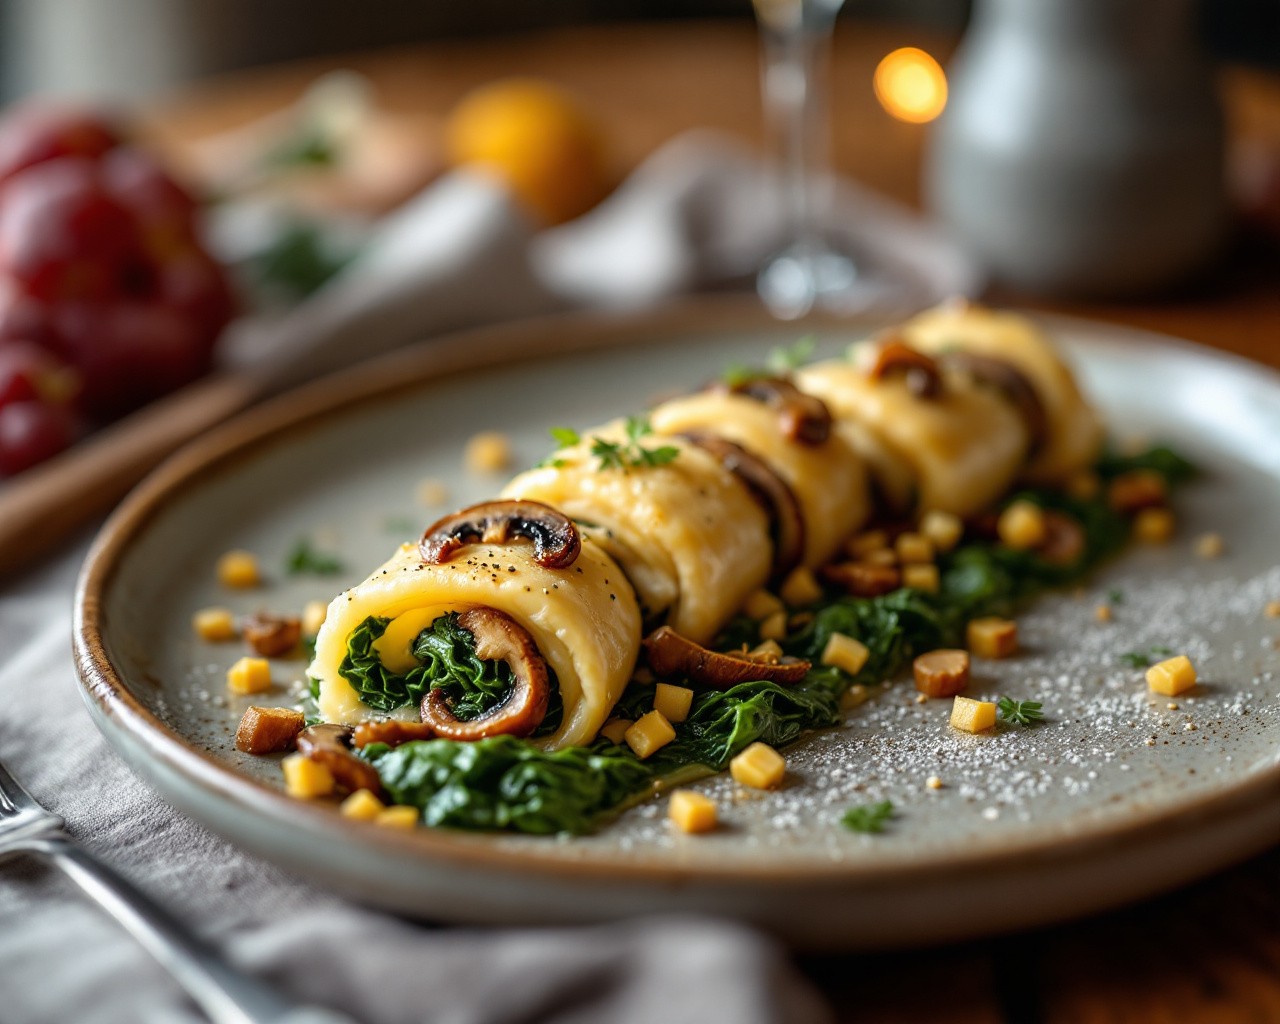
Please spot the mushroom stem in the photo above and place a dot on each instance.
(672, 655)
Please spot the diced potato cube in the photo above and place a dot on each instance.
(691, 812)
(673, 702)
(1272, 610)
(268, 730)
(759, 766)
(1210, 545)
(769, 651)
(800, 587)
(1021, 526)
(398, 816)
(914, 548)
(846, 653)
(214, 624)
(362, 805)
(1154, 525)
(614, 729)
(313, 616)
(992, 637)
(488, 452)
(865, 543)
(969, 715)
(239, 570)
(1172, 676)
(921, 577)
(774, 627)
(944, 529)
(648, 734)
(761, 605)
(305, 778)
(249, 675)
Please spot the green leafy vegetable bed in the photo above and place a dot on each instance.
(505, 783)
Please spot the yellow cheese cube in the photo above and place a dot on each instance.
(921, 577)
(239, 570)
(1021, 526)
(944, 529)
(1210, 545)
(865, 543)
(1172, 676)
(691, 812)
(313, 616)
(1272, 610)
(249, 675)
(800, 587)
(1154, 525)
(672, 701)
(649, 733)
(992, 637)
(845, 653)
(488, 452)
(774, 627)
(614, 729)
(361, 805)
(761, 605)
(969, 715)
(305, 778)
(398, 816)
(913, 548)
(214, 624)
(759, 766)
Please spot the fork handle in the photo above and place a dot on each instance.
(226, 995)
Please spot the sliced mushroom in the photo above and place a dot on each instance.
(330, 745)
(1009, 381)
(805, 418)
(556, 542)
(1064, 540)
(671, 655)
(272, 635)
(391, 732)
(786, 520)
(498, 638)
(921, 373)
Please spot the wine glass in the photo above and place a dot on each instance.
(813, 269)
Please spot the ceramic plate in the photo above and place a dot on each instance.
(1118, 795)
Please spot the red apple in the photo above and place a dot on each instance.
(30, 432)
(33, 133)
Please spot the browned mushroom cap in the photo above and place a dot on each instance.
(391, 732)
(330, 746)
(671, 655)
(1009, 381)
(921, 373)
(556, 542)
(1064, 540)
(498, 638)
(805, 418)
(786, 520)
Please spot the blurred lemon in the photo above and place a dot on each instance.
(538, 139)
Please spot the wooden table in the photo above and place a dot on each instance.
(1208, 953)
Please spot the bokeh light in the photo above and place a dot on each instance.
(911, 85)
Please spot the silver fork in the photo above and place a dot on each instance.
(225, 995)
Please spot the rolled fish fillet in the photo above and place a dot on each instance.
(691, 538)
(583, 618)
(828, 479)
(1074, 432)
(965, 445)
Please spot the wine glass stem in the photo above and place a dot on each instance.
(796, 58)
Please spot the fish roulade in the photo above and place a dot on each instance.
(502, 618)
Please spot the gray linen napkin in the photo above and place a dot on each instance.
(61, 960)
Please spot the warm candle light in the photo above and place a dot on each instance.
(911, 85)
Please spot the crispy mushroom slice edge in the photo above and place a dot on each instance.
(804, 418)
(498, 638)
(329, 745)
(556, 541)
(671, 655)
(921, 373)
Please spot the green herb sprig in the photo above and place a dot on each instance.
(869, 818)
(1142, 659)
(304, 558)
(1020, 712)
(623, 455)
(788, 358)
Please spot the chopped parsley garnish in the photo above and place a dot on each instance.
(1020, 712)
(564, 436)
(1141, 659)
(869, 818)
(1115, 596)
(306, 559)
(631, 454)
(789, 358)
